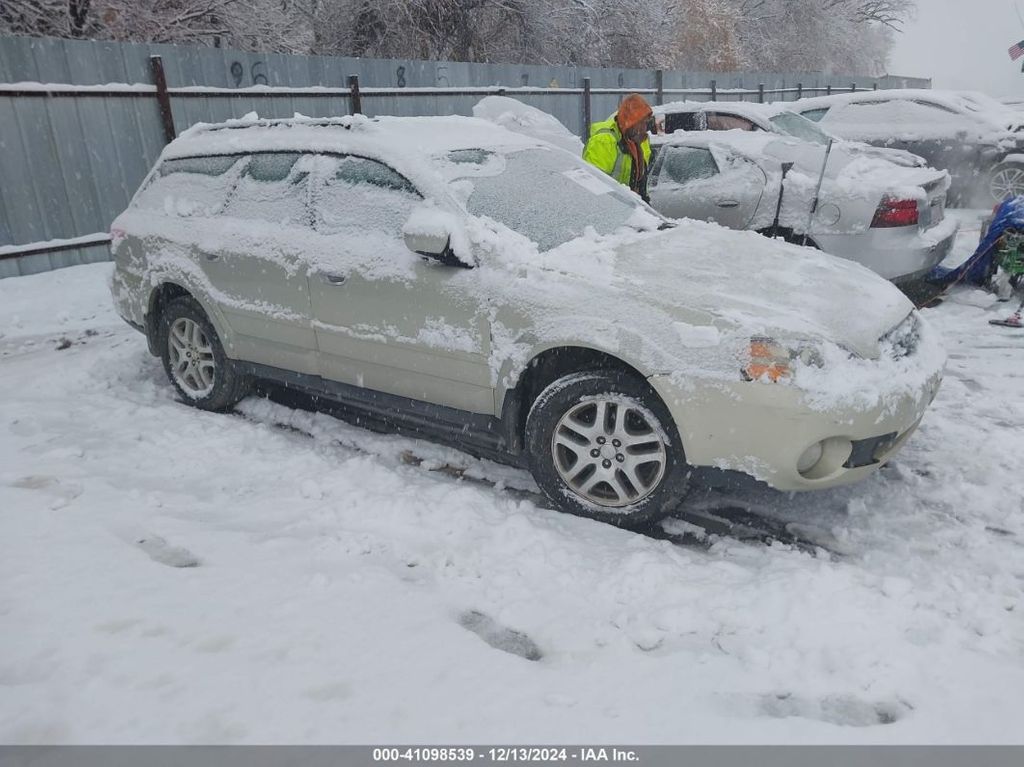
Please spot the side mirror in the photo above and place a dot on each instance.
(431, 239)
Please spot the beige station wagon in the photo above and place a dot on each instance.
(448, 278)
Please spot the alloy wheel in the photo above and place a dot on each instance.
(1008, 182)
(611, 452)
(191, 356)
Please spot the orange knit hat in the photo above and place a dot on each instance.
(634, 109)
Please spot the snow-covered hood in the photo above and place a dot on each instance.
(715, 282)
(762, 286)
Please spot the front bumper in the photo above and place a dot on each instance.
(763, 429)
(900, 253)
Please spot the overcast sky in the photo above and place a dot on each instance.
(963, 44)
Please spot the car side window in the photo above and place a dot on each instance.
(191, 186)
(684, 164)
(717, 121)
(273, 187)
(815, 115)
(357, 193)
(685, 121)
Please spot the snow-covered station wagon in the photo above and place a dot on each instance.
(447, 277)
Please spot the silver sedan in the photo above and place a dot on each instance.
(887, 217)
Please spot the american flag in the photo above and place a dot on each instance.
(1017, 51)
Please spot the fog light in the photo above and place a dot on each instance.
(810, 458)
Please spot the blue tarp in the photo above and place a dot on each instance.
(1009, 215)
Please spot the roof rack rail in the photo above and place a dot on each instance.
(346, 122)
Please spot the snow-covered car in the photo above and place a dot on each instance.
(978, 140)
(453, 279)
(772, 118)
(887, 217)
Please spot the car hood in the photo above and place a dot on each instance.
(745, 282)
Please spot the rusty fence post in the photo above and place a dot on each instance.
(799, 90)
(659, 84)
(714, 90)
(163, 99)
(586, 110)
(760, 93)
(355, 98)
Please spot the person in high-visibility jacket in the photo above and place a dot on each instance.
(619, 145)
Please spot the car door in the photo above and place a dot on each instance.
(687, 182)
(256, 262)
(387, 319)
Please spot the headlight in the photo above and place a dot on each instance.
(770, 360)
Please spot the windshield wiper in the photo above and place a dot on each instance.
(666, 225)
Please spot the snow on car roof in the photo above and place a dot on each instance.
(946, 98)
(752, 111)
(416, 147)
(962, 102)
(422, 136)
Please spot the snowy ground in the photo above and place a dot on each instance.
(339, 591)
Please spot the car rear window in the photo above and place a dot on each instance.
(815, 115)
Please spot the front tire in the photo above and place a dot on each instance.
(194, 358)
(602, 445)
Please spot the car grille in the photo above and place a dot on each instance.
(903, 339)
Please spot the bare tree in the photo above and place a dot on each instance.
(718, 35)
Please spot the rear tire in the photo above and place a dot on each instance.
(194, 358)
(602, 445)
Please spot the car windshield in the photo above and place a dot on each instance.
(799, 127)
(548, 196)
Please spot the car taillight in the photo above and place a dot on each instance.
(895, 213)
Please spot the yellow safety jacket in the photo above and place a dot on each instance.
(605, 150)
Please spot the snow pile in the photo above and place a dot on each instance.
(530, 121)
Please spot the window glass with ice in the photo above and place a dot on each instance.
(191, 186)
(358, 194)
(550, 197)
(684, 164)
(272, 188)
(800, 127)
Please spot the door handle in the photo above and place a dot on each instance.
(334, 279)
(727, 203)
